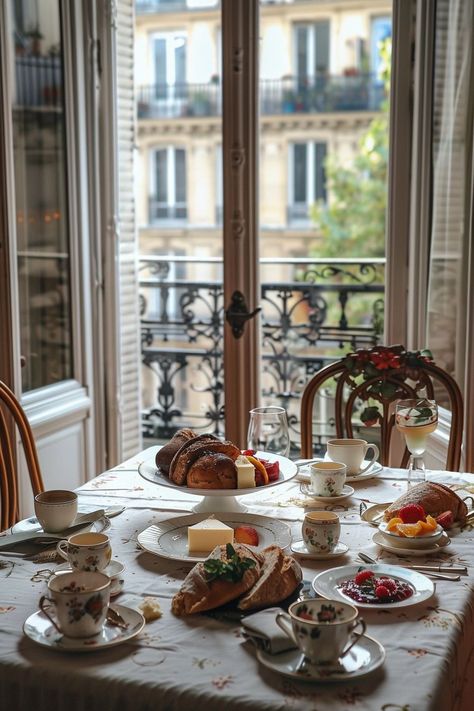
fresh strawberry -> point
(445, 520)
(273, 469)
(412, 513)
(382, 591)
(362, 576)
(388, 583)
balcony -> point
(39, 82)
(361, 92)
(147, 7)
(313, 311)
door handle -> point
(238, 314)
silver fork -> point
(438, 576)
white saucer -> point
(364, 657)
(114, 568)
(398, 548)
(38, 628)
(346, 491)
(299, 548)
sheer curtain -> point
(451, 173)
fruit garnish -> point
(247, 535)
(409, 530)
(428, 525)
(232, 569)
(259, 466)
(382, 591)
(445, 520)
(412, 513)
(363, 576)
(272, 468)
(247, 452)
(393, 523)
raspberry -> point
(412, 513)
(362, 576)
(388, 583)
(382, 591)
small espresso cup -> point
(56, 509)
(80, 601)
(321, 531)
(324, 630)
(327, 478)
(88, 552)
(352, 453)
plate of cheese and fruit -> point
(191, 538)
(207, 466)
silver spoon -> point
(438, 576)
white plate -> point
(399, 549)
(114, 568)
(288, 470)
(414, 542)
(38, 628)
(346, 491)
(31, 525)
(169, 539)
(299, 548)
(364, 657)
(327, 584)
(374, 471)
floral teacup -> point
(321, 531)
(327, 478)
(89, 552)
(80, 600)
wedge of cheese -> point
(206, 535)
(245, 473)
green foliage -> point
(352, 224)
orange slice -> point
(258, 465)
(429, 525)
(409, 530)
(392, 524)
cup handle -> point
(375, 456)
(357, 635)
(59, 549)
(44, 610)
(283, 621)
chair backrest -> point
(9, 501)
(367, 383)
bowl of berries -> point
(412, 527)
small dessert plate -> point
(114, 568)
(365, 656)
(346, 492)
(299, 548)
(399, 549)
(38, 628)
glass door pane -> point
(39, 140)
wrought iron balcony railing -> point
(313, 310)
(290, 95)
(39, 82)
(144, 7)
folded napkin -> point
(261, 629)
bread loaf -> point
(435, 499)
(179, 464)
(212, 471)
(167, 452)
(279, 577)
(192, 451)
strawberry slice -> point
(445, 520)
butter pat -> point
(206, 535)
(245, 473)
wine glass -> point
(268, 430)
(416, 419)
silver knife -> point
(14, 538)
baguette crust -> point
(435, 499)
(198, 595)
(280, 576)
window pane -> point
(180, 175)
(299, 172)
(321, 54)
(161, 68)
(161, 176)
(301, 34)
(320, 152)
(39, 128)
(180, 60)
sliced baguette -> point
(279, 577)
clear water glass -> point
(268, 430)
(416, 419)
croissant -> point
(435, 499)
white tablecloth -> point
(201, 663)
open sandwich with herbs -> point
(236, 572)
(206, 462)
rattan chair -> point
(11, 413)
(366, 384)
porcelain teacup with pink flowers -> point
(88, 552)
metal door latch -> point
(237, 313)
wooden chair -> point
(369, 382)
(9, 501)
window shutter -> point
(128, 244)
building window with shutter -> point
(307, 179)
(168, 180)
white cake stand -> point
(215, 500)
